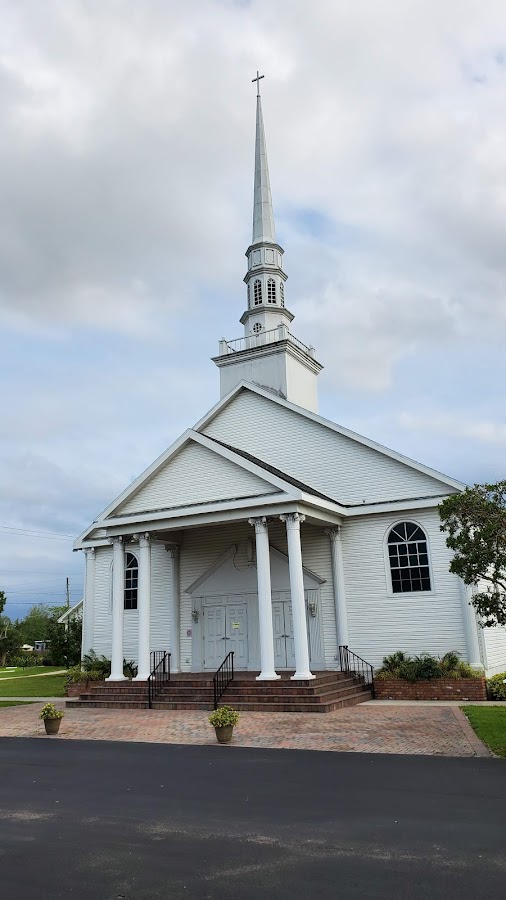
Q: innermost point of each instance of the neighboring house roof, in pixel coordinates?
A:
(70, 613)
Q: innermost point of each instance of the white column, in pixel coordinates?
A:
(175, 611)
(336, 554)
(267, 670)
(118, 606)
(89, 601)
(470, 626)
(293, 522)
(144, 608)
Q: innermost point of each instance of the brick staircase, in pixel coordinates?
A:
(326, 692)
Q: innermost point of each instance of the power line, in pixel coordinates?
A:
(48, 535)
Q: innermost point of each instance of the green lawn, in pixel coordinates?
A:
(489, 723)
(50, 686)
(32, 670)
(15, 703)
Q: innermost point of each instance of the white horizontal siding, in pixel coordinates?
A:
(495, 648)
(381, 622)
(102, 622)
(161, 585)
(195, 475)
(335, 465)
(161, 590)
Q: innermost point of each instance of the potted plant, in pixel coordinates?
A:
(52, 718)
(223, 720)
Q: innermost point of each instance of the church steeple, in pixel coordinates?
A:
(263, 214)
(268, 354)
(265, 278)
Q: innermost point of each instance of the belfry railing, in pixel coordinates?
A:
(160, 674)
(354, 665)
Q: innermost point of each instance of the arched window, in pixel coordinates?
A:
(249, 297)
(131, 581)
(257, 291)
(409, 559)
(271, 291)
(282, 293)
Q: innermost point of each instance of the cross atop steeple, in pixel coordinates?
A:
(257, 79)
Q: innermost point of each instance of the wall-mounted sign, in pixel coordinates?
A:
(236, 625)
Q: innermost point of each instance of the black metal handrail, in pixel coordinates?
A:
(222, 677)
(160, 674)
(354, 665)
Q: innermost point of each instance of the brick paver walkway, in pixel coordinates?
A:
(434, 731)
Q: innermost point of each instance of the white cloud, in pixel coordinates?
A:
(126, 167)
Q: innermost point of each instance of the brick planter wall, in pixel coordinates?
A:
(80, 687)
(434, 689)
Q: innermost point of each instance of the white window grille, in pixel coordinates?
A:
(271, 291)
(257, 291)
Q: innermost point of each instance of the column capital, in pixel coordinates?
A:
(293, 520)
(173, 550)
(116, 540)
(144, 539)
(89, 551)
(260, 523)
(334, 532)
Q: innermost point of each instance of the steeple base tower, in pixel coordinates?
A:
(273, 360)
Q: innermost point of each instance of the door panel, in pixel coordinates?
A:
(290, 644)
(237, 634)
(278, 623)
(214, 636)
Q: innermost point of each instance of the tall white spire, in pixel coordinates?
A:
(268, 354)
(263, 215)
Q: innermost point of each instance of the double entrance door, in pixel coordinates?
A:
(282, 621)
(225, 629)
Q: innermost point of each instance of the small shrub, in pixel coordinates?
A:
(49, 711)
(425, 667)
(75, 675)
(93, 663)
(224, 715)
(496, 686)
(130, 668)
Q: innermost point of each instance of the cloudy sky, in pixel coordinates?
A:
(126, 169)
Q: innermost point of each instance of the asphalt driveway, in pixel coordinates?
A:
(107, 821)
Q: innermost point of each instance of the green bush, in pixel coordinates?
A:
(76, 675)
(496, 686)
(224, 715)
(424, 667)
(93, 663)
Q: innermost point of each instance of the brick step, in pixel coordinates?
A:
(233, 693)
(350, 699)
(289, 690)
(281, 697)
(72, 702)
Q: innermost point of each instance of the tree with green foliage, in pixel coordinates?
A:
(65, 640)
(9, 638)
(35, 625)
(475, 522)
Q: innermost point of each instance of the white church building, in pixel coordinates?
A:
(272, 532)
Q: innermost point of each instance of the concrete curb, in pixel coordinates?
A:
(478, 746)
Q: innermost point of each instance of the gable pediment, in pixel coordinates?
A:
(194, 475)
(225, 577)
